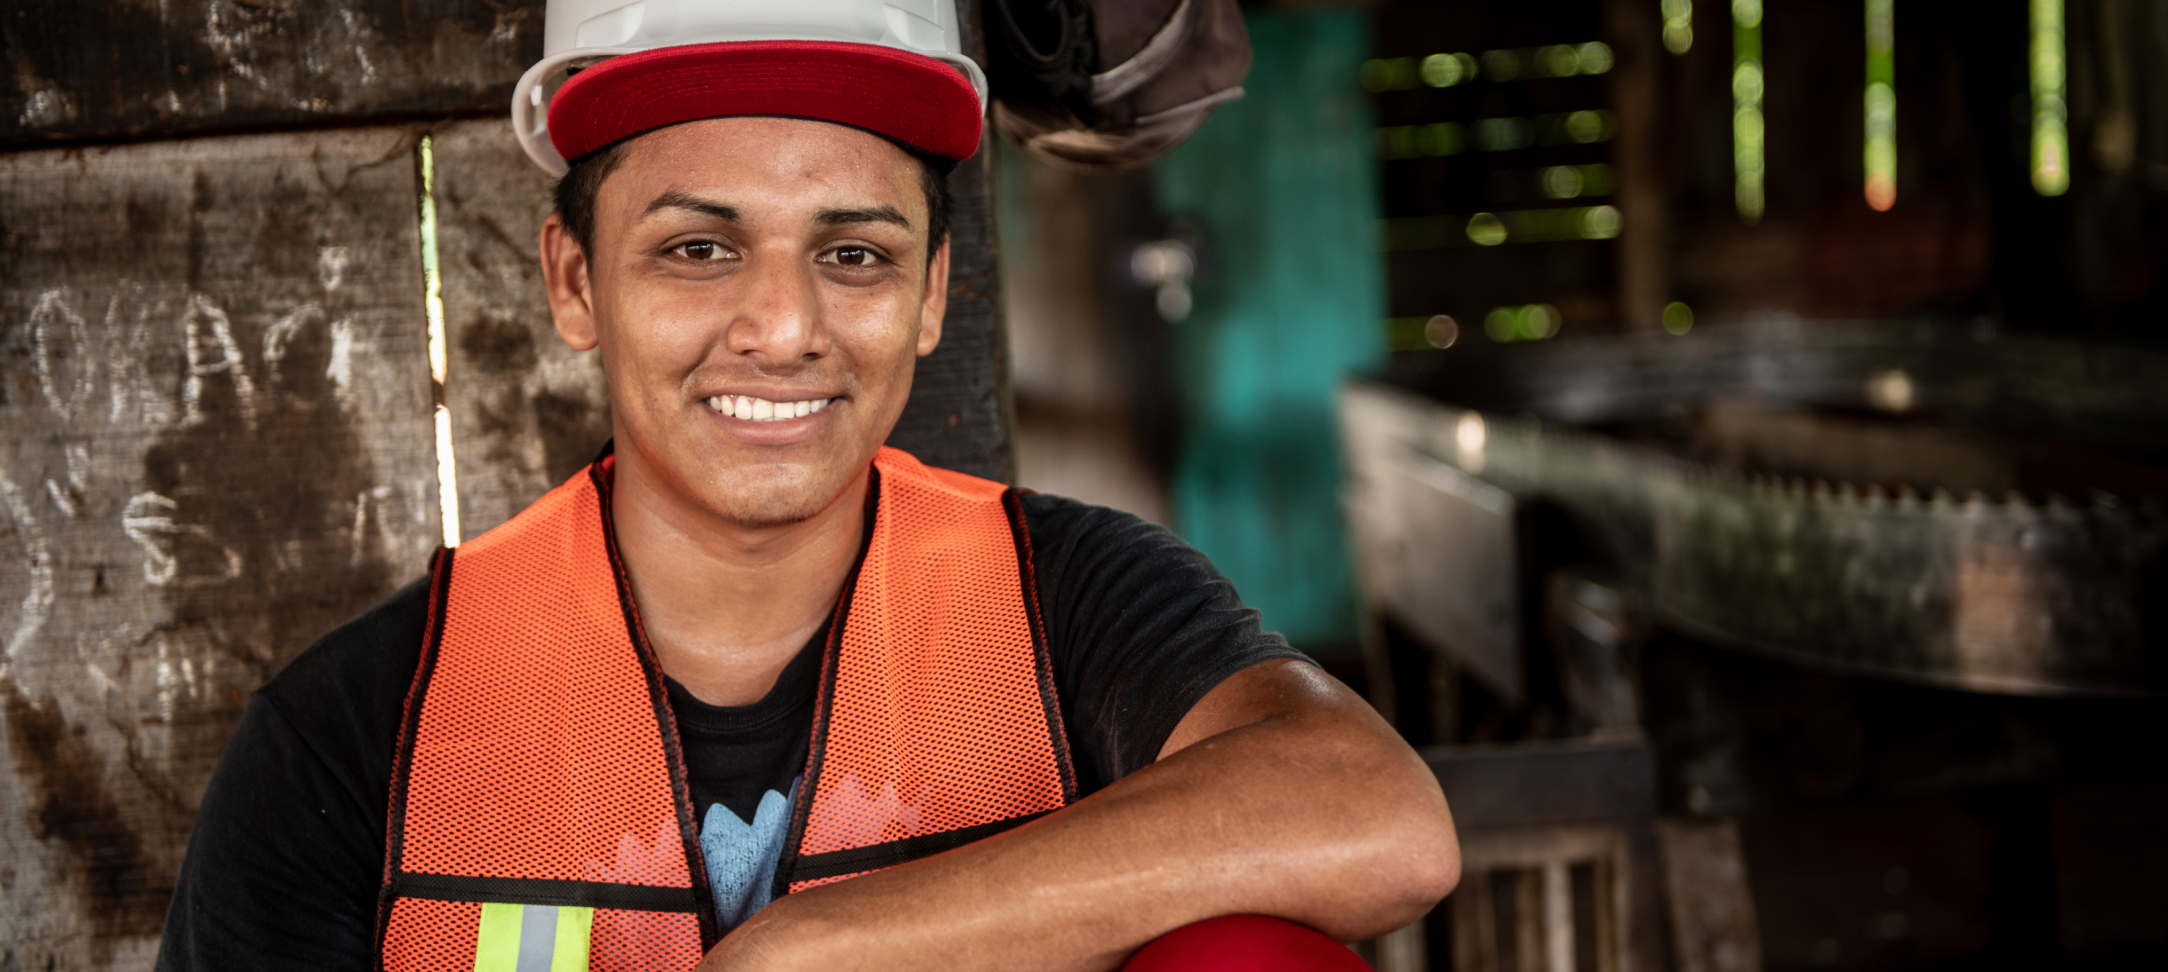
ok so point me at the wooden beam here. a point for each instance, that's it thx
(127, 70)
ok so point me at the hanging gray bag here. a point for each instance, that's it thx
(1111, 83)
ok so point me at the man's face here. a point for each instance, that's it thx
(760, 290)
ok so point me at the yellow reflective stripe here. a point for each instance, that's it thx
(496, 941)
(575, 926)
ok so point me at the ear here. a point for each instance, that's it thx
(571, 291)
(936, 304)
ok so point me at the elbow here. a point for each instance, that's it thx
(1437, 869)
(1430, 861)
(1414, 867)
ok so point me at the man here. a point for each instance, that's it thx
(757, 693)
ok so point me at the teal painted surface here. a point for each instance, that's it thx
(1284, 184)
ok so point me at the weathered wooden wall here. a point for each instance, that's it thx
(216, 438)
(120, 70)
(527, 411)
(217, 443)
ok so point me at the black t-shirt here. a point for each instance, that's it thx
(284, 866)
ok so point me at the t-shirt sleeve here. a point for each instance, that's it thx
(1139, 627)
(287, 854)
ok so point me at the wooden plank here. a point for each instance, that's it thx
(1713, 925)
(215, 444)
(527, 411)
(120, 70)
(1546, 783)
(1644, 271)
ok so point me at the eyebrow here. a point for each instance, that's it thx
(680, 199)
(873, 214)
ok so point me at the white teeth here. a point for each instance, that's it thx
(762, 410)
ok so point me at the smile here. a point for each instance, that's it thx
(762, 410)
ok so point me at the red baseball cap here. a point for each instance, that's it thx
(911, 99)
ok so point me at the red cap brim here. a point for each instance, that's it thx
(908, 97)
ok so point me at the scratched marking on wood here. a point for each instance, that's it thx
(527, 411)
(214, 445)
(125, 69)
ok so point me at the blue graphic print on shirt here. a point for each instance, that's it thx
(741, 857)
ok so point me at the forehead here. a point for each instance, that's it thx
(766, 162)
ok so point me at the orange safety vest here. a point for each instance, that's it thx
(539, 813)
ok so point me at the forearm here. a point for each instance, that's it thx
(1321, 816)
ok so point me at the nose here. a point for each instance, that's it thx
(778, 319)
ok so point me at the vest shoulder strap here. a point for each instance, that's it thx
(538, 765)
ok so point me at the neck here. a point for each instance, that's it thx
(727, 605)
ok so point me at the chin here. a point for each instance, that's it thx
(744, 511)
(769, 498)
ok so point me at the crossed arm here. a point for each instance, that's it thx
(1279, 793)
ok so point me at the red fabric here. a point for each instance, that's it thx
(1244, 943)
(908, 97)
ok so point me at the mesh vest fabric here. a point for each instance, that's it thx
(538, 761)
(938, 715)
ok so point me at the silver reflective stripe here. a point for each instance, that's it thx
(537, 938)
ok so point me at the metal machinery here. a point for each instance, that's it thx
(1978, 516)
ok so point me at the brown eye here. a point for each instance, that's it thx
(700, 251)
(852, 256)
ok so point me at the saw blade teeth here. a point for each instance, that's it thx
(2020, 508)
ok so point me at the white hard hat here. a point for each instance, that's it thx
(612, 69)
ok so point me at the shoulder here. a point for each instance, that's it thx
(1068, 534)
(1122, 569)
(1139, 626)
(288, 848)
(344, 695)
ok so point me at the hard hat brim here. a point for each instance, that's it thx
(909, 98)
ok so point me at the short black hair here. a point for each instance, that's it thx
(576, 189)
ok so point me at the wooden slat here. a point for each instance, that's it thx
(527, 411)
(214, 445)
(121, 70)
(1713, 925)
(1548, 783)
